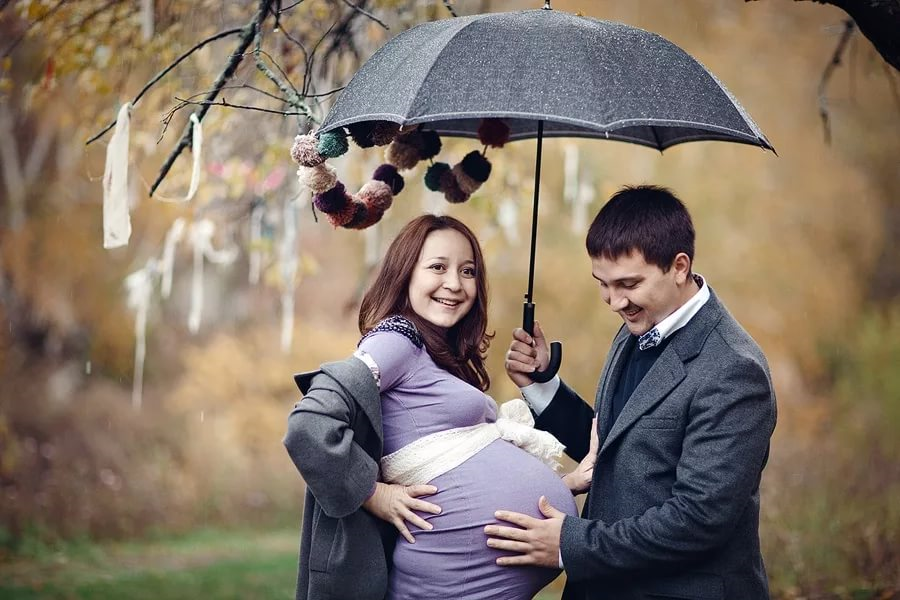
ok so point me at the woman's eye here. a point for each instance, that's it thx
(437, 267)
(468, 272)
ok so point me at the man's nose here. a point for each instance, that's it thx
(617, 301)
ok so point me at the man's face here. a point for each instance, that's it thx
(641, 293)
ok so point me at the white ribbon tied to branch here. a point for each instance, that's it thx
(116, 218)
(201, 238)
(196, 151)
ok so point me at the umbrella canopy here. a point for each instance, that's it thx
(544, 73)
(583, 77)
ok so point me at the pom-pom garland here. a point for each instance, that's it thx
(304, 151)
(318, 179)
(493, 133)
(405, 149)
(333, 144)
(388, 174)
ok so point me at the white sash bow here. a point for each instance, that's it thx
(433, 455)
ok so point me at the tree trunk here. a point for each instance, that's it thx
(879, 21)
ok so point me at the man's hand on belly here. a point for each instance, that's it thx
(534, 541)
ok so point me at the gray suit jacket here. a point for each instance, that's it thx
(334, 437)
(673, 509)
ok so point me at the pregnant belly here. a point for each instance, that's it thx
(453, 560)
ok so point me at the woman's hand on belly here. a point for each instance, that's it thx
(396, 503)
(579, 480)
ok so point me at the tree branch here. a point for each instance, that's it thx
(249, 34)
(835, 61)
(165, 71)
(363, 11)
(878, 20)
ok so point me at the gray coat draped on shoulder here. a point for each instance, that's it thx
(335, 439)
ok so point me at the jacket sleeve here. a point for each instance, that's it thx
(724, 450)
(319, 439)
(568, 418)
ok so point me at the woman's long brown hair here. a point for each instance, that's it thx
(459, 350)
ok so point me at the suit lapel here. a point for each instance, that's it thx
(611, 372)
(666, 373)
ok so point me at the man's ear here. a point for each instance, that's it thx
(682, 267)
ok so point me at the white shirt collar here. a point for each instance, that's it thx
(686, 312)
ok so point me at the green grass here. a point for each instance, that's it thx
(206, 564)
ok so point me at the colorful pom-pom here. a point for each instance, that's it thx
(362, 133)
(372, 217)
(304, 151)
(476, 166)
(333, 144)
(333, 200)
(493, 132)
(466, 183)
(451, 190)
(343, 216)
(431, 145)
(433, 175)
(384, 132)
(318, 179)
(377, 195)
(388, 174)
(402, 155)
(360, 215)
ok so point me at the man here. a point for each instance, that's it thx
(685, 409)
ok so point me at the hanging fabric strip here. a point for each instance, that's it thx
(173, 236)
(288, 273)
(200, 234)
(139, 286)
(116, 219)
(201, 239)
(196, 151)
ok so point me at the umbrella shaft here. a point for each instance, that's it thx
(534, 215)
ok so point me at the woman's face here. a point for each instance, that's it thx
(442, 289)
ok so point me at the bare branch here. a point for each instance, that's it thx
(449, 7)
(165, 71)
(362, 11)
(228, 104)
(250, 32)
(849, 28)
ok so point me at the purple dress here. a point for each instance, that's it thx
(419, 398)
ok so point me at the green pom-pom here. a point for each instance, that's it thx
(333, 144)
(433, 175)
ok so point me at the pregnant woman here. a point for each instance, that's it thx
(424, 326)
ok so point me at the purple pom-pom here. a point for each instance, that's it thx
(333, 200)
(389, 174)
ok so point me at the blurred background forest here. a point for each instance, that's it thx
(801, 246)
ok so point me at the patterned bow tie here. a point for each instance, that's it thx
(650, 339)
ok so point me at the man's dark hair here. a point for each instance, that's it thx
(646, 218)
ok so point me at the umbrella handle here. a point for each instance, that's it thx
(555, 347)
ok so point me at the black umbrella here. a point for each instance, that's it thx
(546, 73)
